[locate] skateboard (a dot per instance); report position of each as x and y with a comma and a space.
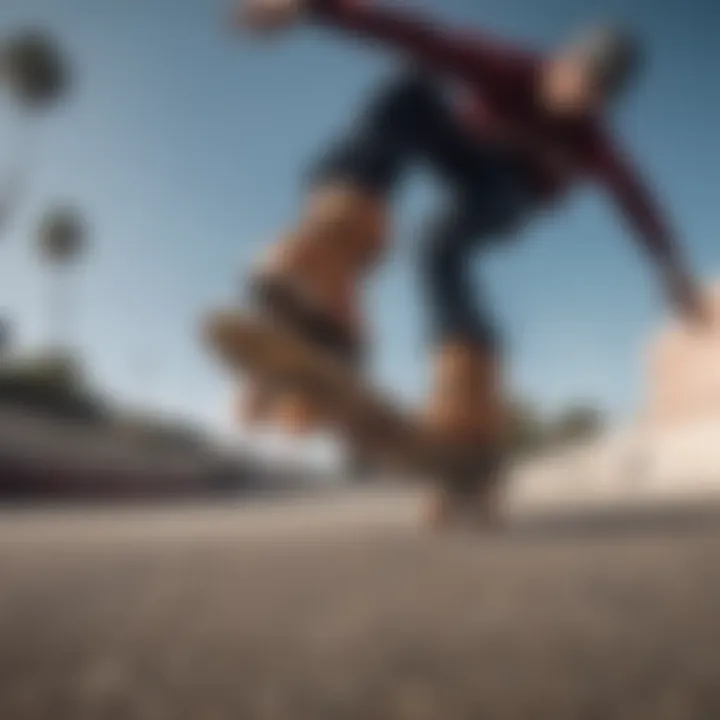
252, 344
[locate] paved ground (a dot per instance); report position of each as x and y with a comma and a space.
346, 611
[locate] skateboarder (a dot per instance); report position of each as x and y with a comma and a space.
507, 132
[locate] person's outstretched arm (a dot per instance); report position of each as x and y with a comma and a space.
651, 228
470, 56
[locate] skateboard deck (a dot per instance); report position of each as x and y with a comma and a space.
249, 344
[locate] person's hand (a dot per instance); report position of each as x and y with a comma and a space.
688, 298
267, 16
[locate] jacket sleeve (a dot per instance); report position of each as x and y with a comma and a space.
637, 204
466, 56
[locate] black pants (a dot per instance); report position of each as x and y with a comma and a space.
409, 121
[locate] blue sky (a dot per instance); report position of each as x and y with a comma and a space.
184, 147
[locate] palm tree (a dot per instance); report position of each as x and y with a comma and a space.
36, 74
34, 68
578, 423
5, 337
62, 243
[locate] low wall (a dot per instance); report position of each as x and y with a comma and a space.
637, 463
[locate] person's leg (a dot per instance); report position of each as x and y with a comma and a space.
312, 276
310, 280
467, 401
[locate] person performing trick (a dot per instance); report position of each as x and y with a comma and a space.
508, 133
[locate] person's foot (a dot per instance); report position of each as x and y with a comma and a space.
465, 416
311, 277
310, 282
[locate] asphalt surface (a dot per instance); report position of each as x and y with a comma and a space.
344, 609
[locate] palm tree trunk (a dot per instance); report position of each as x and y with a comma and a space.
60, 309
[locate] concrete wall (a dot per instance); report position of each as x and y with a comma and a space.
672, 450
638, 463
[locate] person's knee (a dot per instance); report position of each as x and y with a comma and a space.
414, 88
408, 101
398, 120
454, 309
442, 265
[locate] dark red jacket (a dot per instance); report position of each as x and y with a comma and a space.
501, 85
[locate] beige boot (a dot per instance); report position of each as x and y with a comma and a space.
466, 413
323, 260
322, 263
